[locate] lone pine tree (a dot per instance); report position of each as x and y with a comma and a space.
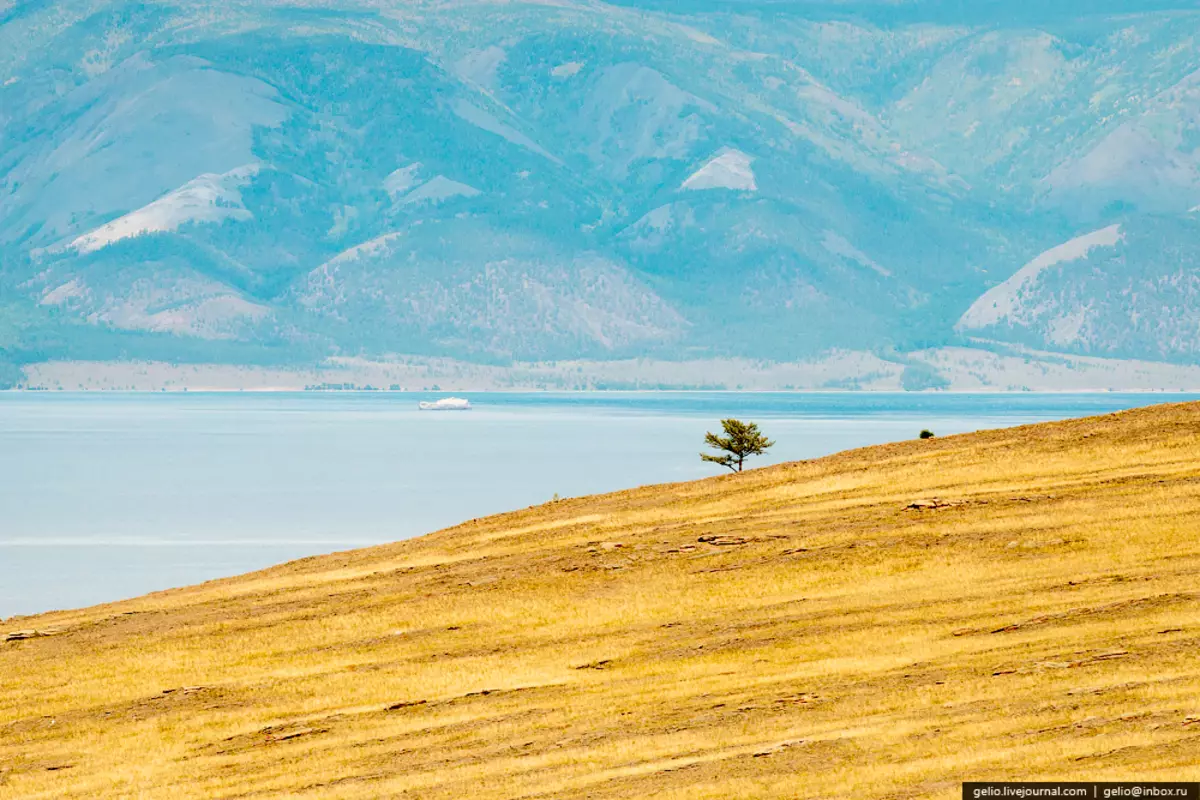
741, 440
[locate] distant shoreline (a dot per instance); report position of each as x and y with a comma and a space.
947, 369
519, 390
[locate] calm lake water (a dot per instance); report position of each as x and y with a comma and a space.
106, 496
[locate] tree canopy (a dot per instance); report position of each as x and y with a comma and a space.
741, 440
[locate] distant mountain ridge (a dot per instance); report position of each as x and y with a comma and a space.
270, 183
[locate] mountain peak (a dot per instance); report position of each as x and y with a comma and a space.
729, 169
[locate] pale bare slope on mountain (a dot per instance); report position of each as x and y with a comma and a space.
882, 623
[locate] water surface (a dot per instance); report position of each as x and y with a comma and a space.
105, 496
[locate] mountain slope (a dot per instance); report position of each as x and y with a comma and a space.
751, 181
1123, 290
881, 623
467, 287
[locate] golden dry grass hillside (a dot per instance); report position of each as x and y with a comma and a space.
883, 623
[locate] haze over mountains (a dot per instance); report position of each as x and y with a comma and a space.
267, 182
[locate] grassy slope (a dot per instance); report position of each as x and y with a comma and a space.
834, 645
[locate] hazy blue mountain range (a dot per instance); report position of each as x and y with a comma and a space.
270, 182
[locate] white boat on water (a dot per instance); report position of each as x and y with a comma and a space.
445, 404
